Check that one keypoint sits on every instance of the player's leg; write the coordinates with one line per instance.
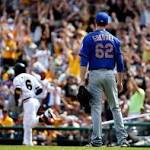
(110, 88)
(27, 135)
(96, 91)
(29, 119)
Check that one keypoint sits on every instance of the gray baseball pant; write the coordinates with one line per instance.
(100, 81)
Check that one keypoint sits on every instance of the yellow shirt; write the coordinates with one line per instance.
(146, 55)
(74, 65)
(136, 102)
(5, 77)
(7, 121)
(25, 2)
(11, 44)
(10, 53)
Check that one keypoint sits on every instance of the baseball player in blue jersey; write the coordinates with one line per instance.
(101, 54)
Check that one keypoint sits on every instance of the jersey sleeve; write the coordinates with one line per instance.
(17, 83)
(119, 57)
(84, 51)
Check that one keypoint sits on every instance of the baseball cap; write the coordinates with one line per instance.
(102, 17)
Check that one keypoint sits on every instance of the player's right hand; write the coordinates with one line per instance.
(120, 86)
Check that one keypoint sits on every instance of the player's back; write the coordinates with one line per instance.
(102, 47)
(27, 83)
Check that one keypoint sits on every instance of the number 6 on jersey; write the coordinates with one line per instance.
(28, 84)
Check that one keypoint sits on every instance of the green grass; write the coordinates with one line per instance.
(13, 147)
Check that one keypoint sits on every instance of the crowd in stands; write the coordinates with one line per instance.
(47, 35)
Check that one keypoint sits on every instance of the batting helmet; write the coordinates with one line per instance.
(19, 68)
(102, 17)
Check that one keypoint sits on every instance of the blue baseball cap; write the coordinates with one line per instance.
(102, 17)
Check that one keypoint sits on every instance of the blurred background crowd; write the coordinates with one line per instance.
(46, 35)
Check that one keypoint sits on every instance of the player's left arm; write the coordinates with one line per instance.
(120, 65)
(17, 84)
(119, 58)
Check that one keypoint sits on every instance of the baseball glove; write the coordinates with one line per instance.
(84, 97)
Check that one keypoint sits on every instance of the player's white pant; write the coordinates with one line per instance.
(30, 118)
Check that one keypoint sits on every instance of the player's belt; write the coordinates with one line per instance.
(25, 100)
(101, 69)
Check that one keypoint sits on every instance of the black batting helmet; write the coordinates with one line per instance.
(19, 68)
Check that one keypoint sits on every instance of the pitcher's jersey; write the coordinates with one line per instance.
(28, 84)
(101, 50)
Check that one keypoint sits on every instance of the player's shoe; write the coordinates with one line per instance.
(125, 144)
(49, 114)
(93, 145)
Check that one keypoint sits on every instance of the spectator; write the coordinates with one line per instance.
(6, 120)
(74, 65)
(137, 97)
